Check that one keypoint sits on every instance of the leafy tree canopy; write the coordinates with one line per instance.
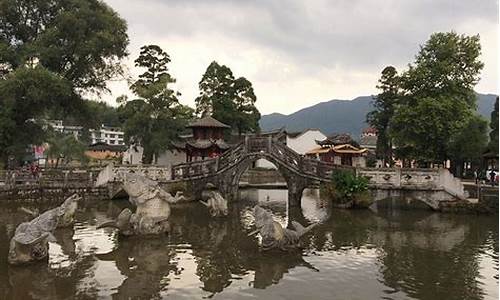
(154, 119)
(51, 53)
(65, 148)
(80, 40)
(469, 143)
(493, 145)
(384, 106)
(229, 100)
(438, 98)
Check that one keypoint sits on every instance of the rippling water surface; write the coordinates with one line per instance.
(353, 254)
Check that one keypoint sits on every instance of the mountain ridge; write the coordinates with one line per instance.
(344, 116)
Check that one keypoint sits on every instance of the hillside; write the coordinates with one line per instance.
(343, 115)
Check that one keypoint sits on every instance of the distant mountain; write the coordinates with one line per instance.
(343, 116)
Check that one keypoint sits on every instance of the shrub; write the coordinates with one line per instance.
(345, 187)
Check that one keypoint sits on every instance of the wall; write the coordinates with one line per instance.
(359, 161)
(300, 144)
(171, 157)
(305, 141)
(262, 177)
(415, 179)
(133, 155)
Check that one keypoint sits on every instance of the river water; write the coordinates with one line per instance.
(352, 254)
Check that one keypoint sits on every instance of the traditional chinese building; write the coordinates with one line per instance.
(207, 140)
(339, 149)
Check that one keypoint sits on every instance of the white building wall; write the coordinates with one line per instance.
(171, 157)
(305, 141)
(108, 135)
(300, 144)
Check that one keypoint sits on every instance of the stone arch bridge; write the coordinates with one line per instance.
(225, 171)
(431, 186)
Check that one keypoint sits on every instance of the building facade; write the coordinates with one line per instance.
(207, 141)
(300, 142)
(104, 134)
(108, 135)
(339, 149)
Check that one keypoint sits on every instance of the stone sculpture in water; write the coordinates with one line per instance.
(31, 239)
(153, 207)
(217, 205)
(274, 236)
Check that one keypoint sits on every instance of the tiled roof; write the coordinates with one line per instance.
(103, 146)
(338, 139)
(294, 135)
(207, 122)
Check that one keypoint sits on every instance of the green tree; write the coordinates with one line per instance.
(248, 116)
(438, 98)
(51, 53)
(229, 100)
(156, 118)
(468, 144)
(493, 145)
(65, 148)
(385, 104)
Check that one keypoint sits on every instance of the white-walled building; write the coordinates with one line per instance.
(172, 157)
(107, 134)
(300, 142)
(58, 126)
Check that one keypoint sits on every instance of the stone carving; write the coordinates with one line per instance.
(274, 236)
(153, 207)
(31, 239)
(217, 205)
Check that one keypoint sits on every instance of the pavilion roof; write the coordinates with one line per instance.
(344, 148)
(338, 139)
(208, 122)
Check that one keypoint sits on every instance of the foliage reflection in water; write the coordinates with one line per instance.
(355, 254)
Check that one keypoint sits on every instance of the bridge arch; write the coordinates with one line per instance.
(227, 182)
(295, 183)
(225, 171)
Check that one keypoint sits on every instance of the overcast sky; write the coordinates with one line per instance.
(299, 53)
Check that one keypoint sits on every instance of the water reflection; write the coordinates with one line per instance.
(356, 254)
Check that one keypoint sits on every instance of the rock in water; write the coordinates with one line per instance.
(274, 236)
(31, 239)
(217, 205)
(153, 207)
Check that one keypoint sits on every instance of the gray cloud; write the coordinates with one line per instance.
(313, 37)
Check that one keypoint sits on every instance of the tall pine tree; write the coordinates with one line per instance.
(156, 118)
(384, 105)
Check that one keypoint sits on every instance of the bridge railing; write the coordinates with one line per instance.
(49, 177)
(230, 156)
(256, 144)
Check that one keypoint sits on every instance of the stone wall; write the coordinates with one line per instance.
(48, 193)
(414, 179)
(261, 176)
